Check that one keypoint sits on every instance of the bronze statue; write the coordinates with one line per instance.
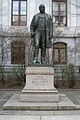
(41, 33)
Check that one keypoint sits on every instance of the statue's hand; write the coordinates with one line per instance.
(50, 37)
(32, 35)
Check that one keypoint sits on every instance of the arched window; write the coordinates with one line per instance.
(59, 12)
(59, 53)
(17, 52)
(19, 12)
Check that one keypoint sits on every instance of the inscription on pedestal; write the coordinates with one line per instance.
(39, 81)
(39, 85)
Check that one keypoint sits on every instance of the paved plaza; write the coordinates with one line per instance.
(74, 96)
(24, 117)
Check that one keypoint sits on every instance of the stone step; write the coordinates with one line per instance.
(14, 103)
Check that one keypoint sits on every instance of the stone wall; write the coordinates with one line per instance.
(5, 12)
(69, 33)
(73, 54)
(73, 11)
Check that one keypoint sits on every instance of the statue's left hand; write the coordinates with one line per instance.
(32, 35)
(50, 37)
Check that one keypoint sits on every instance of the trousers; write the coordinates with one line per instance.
(40, 42)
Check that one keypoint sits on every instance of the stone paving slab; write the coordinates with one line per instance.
(14, 103)
(17, 117)
(73, 95)
(50, 113)
(39, 113)
(64, 117)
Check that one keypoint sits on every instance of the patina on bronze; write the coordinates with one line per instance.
(41, 33)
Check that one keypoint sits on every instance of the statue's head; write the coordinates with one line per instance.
(42, 8)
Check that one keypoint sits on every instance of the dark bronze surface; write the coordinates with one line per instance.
(41, 33)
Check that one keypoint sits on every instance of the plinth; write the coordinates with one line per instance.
(39, 85)
(39, 93)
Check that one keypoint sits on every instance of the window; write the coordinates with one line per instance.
(60, 53)
(19, 12)
(17, 52)
(59, 12)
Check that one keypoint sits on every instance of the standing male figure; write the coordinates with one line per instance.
(41, 32)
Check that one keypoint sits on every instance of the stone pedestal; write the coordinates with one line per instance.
(39, 93)
(39, 85)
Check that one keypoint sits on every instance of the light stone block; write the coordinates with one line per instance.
(14, 103)
(39, 85)
(39, 78)
(40, 96)
(39, 82)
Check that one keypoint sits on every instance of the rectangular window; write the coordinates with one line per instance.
(59, 12)
(59, 53)
(19, 12)
(17, 52)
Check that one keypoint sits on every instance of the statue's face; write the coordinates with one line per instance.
(42, 8)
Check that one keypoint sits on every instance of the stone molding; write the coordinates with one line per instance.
(39, 71)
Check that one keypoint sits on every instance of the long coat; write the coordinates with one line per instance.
(49, 29)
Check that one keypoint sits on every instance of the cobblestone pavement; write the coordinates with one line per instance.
(74, 95)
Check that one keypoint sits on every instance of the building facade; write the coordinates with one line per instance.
(15, 41)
